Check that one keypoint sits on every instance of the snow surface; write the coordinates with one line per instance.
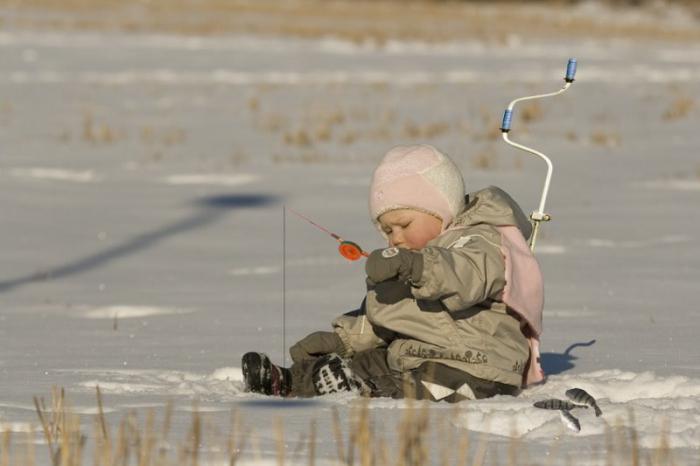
(148, 264)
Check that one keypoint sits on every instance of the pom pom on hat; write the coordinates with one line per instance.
(417, 177)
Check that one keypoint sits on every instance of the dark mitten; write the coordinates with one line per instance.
(384, 264)
(316, 344)
(392, 291)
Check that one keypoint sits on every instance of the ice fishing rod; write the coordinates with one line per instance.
(539, 215)
(348, 249)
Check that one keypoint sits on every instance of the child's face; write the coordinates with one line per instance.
(410, 229)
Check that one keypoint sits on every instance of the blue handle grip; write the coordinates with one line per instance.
(570, 70)
(507, 119)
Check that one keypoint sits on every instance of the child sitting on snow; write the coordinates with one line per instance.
(453, 309)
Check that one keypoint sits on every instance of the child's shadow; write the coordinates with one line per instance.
(556, 363)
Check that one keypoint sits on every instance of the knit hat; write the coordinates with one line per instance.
(417, 177)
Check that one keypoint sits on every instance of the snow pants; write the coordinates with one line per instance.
(430, 381)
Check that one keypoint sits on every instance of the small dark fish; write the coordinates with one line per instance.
(580, 395)
(557, 404)
(569, 420)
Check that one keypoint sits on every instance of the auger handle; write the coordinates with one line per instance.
(507, 120)
(570, 70)
(539, 215)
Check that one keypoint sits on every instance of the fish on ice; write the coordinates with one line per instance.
(580, 395)
(554, 403)
(569, 420)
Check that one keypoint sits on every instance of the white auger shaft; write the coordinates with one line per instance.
(539, 215)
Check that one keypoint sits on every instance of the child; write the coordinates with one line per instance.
(453, 309)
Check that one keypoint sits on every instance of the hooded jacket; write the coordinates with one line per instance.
(477, 306)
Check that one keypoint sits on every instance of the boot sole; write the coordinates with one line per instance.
(255, 368)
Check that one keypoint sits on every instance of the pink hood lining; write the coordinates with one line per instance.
(524, 293)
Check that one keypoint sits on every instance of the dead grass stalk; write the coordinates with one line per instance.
(391, 19)
(144, 444)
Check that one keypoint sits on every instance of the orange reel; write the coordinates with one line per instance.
(351, 251)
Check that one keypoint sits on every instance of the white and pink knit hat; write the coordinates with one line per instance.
(417, 177)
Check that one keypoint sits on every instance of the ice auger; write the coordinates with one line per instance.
(538, 216)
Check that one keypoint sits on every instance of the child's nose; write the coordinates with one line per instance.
(396, 238)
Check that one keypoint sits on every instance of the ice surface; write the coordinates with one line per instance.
(142, 185)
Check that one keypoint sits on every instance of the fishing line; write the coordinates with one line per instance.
(284, 285)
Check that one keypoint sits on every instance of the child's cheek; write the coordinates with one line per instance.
(417, 241)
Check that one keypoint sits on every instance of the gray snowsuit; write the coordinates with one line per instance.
(467, 328)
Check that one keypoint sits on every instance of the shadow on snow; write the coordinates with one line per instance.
(209, 210)
(556, 363)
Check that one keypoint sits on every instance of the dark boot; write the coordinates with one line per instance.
(261, 376)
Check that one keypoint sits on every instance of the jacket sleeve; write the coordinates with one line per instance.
(356, 332)
(467, 272)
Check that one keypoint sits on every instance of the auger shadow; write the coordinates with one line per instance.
(556, 363)
(209, 210)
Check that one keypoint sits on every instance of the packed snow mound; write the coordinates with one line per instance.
(211, 179)
(130, 312)
(643, 401)
(678, 184)
(223, 383)
(55, 174)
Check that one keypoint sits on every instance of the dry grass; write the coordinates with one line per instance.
(323, 133)
(254, 104)
(381, 133)
(99, 132)
(357, 20)
(425, 131)
(167, 136)
(491, 124)
(140, 439)
(317, 126)
(531, 111)
(299, 138)
(335, 117)
(679, 108)
(485, 159)
(305, 157)
(349, 137)
(605, 138)
(571, 135)
(388, 116)
(274, 122)
(96, 131)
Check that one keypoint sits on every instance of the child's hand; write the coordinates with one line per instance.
(384, 264)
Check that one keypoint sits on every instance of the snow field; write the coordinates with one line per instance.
(152, 313)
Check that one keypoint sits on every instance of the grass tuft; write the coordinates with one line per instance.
(390, 19)
(606, 138)
(132, 442)
(679, 108)
(530, 112)
(571, 135)
(299, 138)
(485, 159)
